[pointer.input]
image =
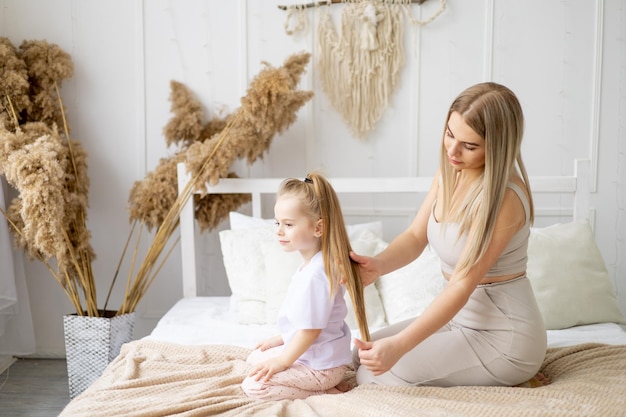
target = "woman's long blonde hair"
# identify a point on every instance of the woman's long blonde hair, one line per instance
(493, 112)
(319, 201)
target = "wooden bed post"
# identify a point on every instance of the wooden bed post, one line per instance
(187, 233)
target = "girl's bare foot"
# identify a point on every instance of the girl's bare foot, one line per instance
(340, 388)
(344, 386)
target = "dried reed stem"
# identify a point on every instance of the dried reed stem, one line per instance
(71, 293)
(15, 119)
(147, 283)
(129, 280)
(84, 267)
(66, 129)
(167, 228)
(83, 280)
(119, 265)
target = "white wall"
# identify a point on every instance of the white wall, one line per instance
(566, 60)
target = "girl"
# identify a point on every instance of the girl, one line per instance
(311, 354)
(485, 327)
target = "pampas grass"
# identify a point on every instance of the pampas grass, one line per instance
(49, 169)
(14, 98)
(269, 107)
(46, 167)
(186, 125)
(48, 65)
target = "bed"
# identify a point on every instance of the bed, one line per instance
(194, 360)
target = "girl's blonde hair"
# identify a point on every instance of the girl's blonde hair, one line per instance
(493, 112)
(319, 201)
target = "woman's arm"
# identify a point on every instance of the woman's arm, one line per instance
(381, 355)
(406, 247)
(298, 345)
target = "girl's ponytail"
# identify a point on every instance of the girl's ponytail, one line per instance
(336, 249)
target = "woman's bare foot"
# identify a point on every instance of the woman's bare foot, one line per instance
(539, 380)
(544, 380)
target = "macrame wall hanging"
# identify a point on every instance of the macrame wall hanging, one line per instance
(359, 68)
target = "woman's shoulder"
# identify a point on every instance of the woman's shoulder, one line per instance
(516, 200)
(517, 187)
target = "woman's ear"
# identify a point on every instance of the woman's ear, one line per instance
(319, 228)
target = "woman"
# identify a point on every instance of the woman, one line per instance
(485, 327)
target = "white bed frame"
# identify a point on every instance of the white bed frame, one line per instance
(577, 185)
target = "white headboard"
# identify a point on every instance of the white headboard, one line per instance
(577, 185)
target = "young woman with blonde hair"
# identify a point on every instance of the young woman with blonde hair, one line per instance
(312, 353)
(485, 327)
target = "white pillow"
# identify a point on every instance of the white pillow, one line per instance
(241, 221)
(569, 277)
(406, 292)
(245, 270)
(280, 267)
(243, 256)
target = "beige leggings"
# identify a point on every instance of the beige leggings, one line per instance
(297, 381)
(498, 338)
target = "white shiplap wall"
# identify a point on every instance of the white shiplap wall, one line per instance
(566, 60)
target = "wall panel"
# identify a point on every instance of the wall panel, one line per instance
(565, 60)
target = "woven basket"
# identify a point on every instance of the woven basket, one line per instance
(91, 343)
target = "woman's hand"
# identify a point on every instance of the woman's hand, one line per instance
(370, 270)
(378, 356)
(270, 343)
(264, 370)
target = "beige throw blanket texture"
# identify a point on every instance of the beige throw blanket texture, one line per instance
(152, 378)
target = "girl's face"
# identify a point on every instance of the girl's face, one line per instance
(294, 229)
(465, 147)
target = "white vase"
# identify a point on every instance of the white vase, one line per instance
(91, 343)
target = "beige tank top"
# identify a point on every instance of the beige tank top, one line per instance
(445, 243)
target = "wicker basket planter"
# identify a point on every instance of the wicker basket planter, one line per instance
(91, 343)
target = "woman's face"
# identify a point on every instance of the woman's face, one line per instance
(465, 148)
(294, 229)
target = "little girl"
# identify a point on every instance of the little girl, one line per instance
(311, 354)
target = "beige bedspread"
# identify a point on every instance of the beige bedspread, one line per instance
(151, 378)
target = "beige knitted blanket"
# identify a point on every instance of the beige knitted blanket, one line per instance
(151, 378)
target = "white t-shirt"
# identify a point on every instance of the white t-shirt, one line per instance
(308, 305)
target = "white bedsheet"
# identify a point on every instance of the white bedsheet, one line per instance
(207, 320)
(212, 320)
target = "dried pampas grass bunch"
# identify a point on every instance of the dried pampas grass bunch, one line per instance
(49, 170)
(46, 167)
(269, 107)
(151, 199)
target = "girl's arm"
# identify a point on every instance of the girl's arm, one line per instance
(298, 345)
(270, 343)
(381, 355)
(406, 247)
